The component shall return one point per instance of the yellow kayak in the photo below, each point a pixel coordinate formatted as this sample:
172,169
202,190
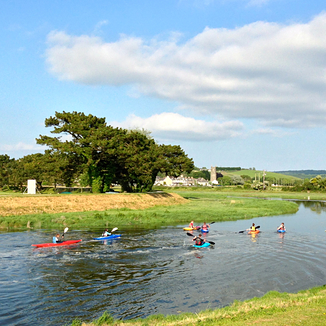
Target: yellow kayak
191,229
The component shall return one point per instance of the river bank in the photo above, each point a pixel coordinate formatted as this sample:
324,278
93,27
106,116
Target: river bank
154,210
273,309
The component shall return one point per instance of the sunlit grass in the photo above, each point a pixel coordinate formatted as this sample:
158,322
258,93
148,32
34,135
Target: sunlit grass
303,308
200,207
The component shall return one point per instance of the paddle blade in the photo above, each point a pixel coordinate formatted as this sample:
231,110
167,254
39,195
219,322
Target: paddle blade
211,242
212,222
65,230
190,235
242,231
114,229
258,227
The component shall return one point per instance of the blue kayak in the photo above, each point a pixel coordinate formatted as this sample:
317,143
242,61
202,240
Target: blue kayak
205,244
112,236
204,231
281,231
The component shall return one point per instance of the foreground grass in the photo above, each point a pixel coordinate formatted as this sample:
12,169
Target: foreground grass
306,307
200,206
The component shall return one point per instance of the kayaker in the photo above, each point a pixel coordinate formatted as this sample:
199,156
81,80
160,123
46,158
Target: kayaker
106,233
198,240
205,226
56,238
191,224
252,228
281,227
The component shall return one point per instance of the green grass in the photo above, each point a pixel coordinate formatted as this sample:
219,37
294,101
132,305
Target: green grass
202,206
252,174
306,307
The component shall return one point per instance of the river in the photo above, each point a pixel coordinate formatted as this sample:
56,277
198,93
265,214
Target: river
157,271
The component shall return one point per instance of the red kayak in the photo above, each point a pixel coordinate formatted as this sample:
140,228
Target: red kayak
64,243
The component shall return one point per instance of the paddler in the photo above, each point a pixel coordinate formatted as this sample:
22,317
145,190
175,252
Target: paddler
205,226
252,228
281,227
191,224
56,238
106,233
198,240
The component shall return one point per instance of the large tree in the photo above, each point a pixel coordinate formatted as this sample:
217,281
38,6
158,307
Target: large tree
88,145
129,157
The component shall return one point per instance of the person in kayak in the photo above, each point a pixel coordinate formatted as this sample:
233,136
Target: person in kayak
252,228
281,227
56,238
198,240
205,226
106,233
191,224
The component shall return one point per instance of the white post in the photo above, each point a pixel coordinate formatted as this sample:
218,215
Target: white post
31,187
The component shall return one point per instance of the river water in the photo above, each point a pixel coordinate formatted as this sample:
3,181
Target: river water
158,271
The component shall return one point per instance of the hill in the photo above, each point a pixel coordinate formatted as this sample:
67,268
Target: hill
259,174
304,174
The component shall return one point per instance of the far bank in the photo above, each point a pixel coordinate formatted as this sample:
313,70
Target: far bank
157,209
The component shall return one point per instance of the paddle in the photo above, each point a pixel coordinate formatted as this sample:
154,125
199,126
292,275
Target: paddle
114,229
257,227
65,231
211,242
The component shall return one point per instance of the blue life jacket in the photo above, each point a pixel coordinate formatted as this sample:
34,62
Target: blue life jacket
54,240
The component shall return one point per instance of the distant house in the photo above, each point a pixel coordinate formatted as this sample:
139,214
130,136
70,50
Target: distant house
180,181
202,182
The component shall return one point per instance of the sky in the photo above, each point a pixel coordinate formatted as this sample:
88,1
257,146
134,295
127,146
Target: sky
233,82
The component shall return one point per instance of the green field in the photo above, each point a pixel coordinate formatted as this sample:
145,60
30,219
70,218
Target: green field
253,173
202,206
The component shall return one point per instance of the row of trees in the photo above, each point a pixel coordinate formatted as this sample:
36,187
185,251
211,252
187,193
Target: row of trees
95,154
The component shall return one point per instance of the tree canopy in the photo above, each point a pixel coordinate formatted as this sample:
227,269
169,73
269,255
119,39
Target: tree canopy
86,144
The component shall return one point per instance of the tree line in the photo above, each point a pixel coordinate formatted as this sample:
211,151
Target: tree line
88,151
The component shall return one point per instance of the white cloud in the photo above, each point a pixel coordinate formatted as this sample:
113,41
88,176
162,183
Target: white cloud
20,147
167,126
266,71
272,132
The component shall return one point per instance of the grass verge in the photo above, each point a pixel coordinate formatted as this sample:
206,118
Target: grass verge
274,309
197,206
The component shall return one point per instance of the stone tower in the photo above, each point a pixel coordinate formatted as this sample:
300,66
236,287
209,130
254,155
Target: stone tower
213,173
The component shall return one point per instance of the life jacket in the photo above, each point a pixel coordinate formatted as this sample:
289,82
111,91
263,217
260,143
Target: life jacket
204,227
54,240
198,241
253,228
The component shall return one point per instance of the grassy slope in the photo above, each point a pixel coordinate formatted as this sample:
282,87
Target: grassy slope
201,206
252,173
274,309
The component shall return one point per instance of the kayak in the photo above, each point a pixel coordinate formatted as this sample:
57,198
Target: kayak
64,243
281,231
112,236
205,244
191,229
204,231
254,232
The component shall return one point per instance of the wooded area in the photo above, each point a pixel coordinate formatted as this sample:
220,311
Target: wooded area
94,154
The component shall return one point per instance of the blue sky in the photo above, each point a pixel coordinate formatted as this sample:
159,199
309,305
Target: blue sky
234,82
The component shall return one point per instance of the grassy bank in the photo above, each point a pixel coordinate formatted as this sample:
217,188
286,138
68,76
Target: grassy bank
87,211
239,191
274,309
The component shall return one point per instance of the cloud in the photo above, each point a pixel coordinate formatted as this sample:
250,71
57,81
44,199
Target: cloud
20,147
269,72
272,132
172,126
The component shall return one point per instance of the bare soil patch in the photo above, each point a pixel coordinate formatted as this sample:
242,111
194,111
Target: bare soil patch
29,204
